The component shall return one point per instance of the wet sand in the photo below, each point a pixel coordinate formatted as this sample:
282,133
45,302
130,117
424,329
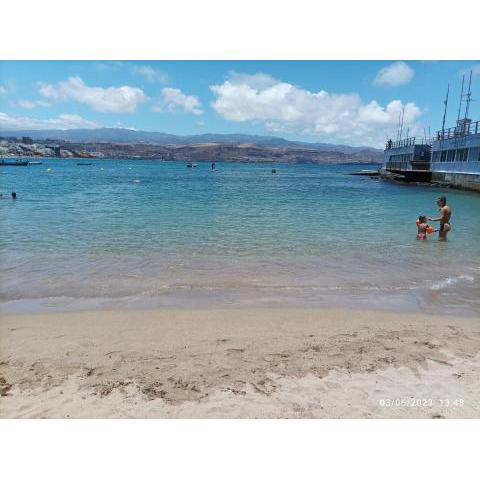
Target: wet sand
239,363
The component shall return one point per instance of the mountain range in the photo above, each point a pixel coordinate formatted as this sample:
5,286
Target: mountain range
123,135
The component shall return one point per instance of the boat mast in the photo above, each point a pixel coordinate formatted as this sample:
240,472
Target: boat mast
398,125
401,124
461,100
445,103
468,95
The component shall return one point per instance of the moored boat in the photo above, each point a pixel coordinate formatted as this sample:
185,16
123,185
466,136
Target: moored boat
408,158
16,163
456,155
451,158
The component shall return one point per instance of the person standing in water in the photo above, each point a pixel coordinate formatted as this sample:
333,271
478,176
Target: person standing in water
444,218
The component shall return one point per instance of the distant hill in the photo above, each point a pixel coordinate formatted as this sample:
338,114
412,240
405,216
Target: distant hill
122,135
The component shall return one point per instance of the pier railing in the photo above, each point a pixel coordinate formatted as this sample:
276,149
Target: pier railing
406,142
459,131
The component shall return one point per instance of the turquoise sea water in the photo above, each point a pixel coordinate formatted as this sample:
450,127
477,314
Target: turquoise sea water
140,233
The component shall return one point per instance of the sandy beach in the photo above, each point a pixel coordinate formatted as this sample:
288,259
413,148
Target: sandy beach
239,363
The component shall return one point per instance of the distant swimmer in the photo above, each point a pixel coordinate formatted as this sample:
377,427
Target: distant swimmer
423,228
213,165
14,195
444,218
274,170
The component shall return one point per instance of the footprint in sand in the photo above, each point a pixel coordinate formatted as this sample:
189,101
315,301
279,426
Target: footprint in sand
455,330
154,390
426,343
272,357
265,386
312,348
5,387
167,357
345,335
107,388
231,351
238,388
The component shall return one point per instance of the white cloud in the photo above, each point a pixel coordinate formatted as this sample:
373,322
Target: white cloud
396,74
109,65
112,99
150,74
29,104
8,86
62,122
173,99
258,81
284,107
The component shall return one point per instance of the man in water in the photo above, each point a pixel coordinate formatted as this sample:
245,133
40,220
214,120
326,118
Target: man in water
444,218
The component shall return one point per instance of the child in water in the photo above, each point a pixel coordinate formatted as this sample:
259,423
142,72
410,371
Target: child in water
423,228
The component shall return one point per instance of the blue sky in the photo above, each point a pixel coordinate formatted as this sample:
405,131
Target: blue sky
351,102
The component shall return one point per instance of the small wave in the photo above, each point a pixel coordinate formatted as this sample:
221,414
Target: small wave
449,281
